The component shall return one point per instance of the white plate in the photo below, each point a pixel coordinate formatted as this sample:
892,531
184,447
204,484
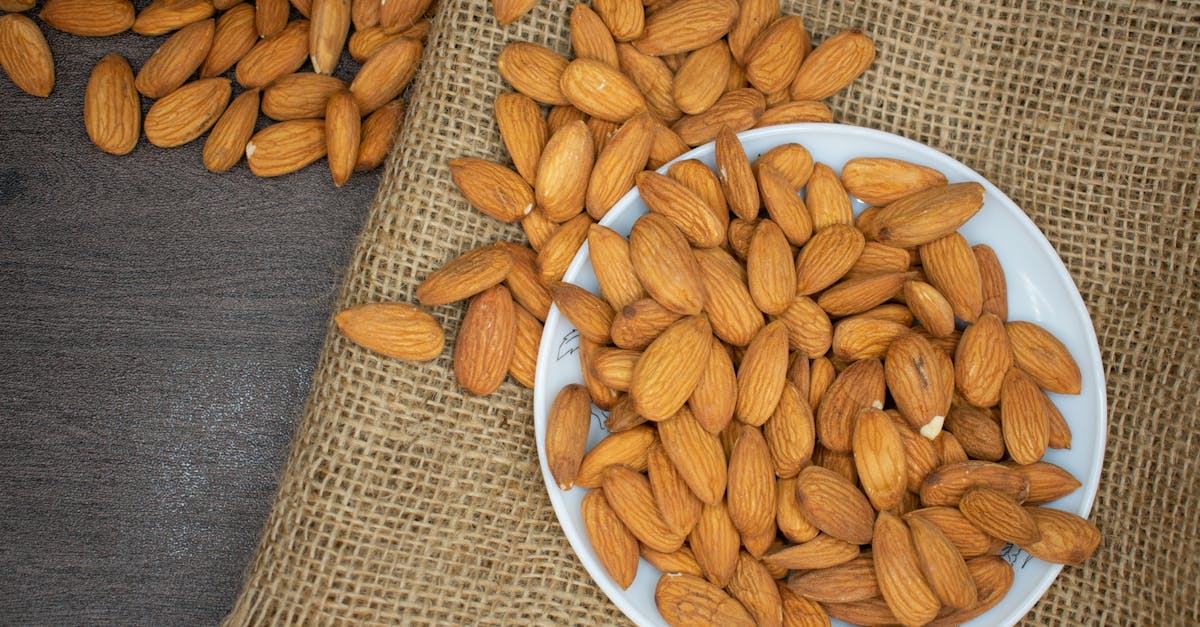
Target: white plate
1039,290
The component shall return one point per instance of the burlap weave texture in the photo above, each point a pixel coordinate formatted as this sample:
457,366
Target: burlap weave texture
406,500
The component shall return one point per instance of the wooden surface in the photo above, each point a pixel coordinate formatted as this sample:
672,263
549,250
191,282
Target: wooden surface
158,330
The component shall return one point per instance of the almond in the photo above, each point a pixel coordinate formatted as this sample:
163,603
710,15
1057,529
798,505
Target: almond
397,330
890,312
697,455
665,265
686,25
563,171
808,326
968,539
653,79
684,208
343,133
697,177
921,381
794,112
590,37
637,324
738,110
486,341
615,546
382,77
523,129
402,13
601,90
944,568
16,5
739,234
920,456
789,517
999,515
509,11
799,611
567,427
327,37
681,562
1065,537
995,289
670,367
751,484
753,586
617,164
951,267
630,496
834,505
762,374
784,206
930,307
300,95
993,576
601,131
715,395
879,459
688,600
946,485
89,18
736,175
879,258
841,463
363,44
948,449
793,161
466,275
1023,418
826,198
680,508
282,148
590,315
861,385
112,110
845,582
187,112
730,308
492,188
790,433
898,568
863,337
715,542
852,296
523,367
163,16
753,17
227,142
275,56
233,37
1044,358
625,19
700,80
770,270
878,181
25,55
873,611
271,16
823,551
978,434
613,267
365,13
774,58
833,65
561,115
1047,482
603,396
827,257
981,361
927,215
630,448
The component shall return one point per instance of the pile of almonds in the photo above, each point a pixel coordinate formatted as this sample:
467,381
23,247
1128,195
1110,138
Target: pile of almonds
811,414
316,114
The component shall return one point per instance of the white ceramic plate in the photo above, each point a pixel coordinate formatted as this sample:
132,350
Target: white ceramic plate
1039,290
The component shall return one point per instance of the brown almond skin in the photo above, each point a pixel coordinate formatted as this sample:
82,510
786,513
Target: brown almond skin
227,142
590,315
794,112
686,25
946,485
630,448
860,385
750,492
378,131
753,585
176,60
738,110
299,95
859,337
680,508
982,360
524,281
617,164
665,265
878,181
1044,358
715,395
330,26
523,367
809,330
823,551
343,130
730,308
784,206
629,494
847,582
272,16
799,611
826,198
898,569
927,215
611,262
834,505
835,63
999,515
790,433
1023,418
382,77
715,543
1047,482
567,427
603,396
669,369
736,175
1065,537
753,17
88,18
697,455
770,269
852,296
696,176
493,189
699,82
827,256
398,330
773,59
614,545
930,307
993,577
163,16
921,381
874,611
951,267
613,367
944,567
559,250
186,113
687,600
590,37
681,562
25,55
466,275
653,78
534,71
879,459
486,341
601,90
523,129
970,541
275,56
995,288
978,434
762,374
112,112
788,516
285,147
879,258
685,209
637,324
622,417
562,173
234,36
793,161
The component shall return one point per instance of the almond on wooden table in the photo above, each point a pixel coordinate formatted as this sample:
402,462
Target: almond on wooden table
25,55
89,18
112,112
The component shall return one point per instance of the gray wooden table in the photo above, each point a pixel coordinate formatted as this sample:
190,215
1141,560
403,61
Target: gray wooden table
158,328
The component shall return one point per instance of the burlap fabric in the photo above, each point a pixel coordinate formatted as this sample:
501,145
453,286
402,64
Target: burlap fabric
406,500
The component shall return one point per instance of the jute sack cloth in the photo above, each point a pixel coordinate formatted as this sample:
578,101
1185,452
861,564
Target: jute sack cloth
406,500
